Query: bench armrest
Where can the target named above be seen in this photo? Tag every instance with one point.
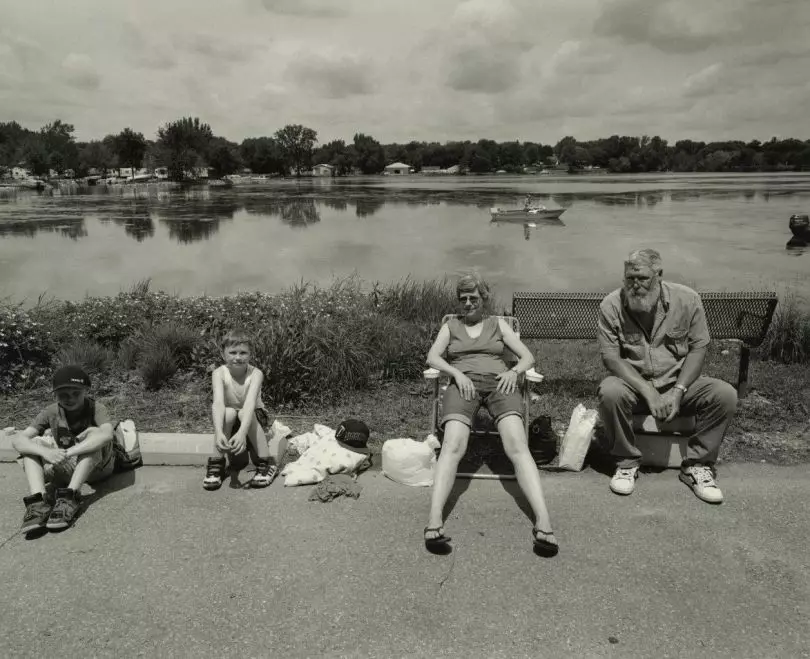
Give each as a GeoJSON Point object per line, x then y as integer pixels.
{"type": "Point", "coordinates": [533, 376]}
{"type": "Point", "coordinates": [431, 373]}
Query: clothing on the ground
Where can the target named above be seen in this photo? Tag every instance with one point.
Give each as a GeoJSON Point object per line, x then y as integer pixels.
{"type": "Point", "coordinates": [322, 457]}
{"type": "Point", "coordinates": [680, 327]}
{"type": "Point", "coordinates": [66, 425]}
{"type": "Point", "coordinates": [482, 355]}
{"type": "Point", "coordinates": [499, 405]}
{"type": "Point", "coordinates": [712, 402]}
{"type": "Point", "coordinates": [235, 393]}
{"type": "Point", "coordinates": [334, 486]}
{"type": "Point", "coordinates": [60, 475]}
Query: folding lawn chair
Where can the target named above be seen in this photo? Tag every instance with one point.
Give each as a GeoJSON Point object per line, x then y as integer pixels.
{"type": "Point", "coordinates": [441, 380]}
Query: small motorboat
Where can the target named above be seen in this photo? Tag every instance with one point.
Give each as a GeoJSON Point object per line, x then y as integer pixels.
{"type": "Point", "coordinates": [800, 226]}
{"type": "Point", "coordinates": [531, 213]}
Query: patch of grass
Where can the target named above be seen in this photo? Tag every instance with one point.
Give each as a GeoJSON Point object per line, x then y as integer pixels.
{"type": "Point", "coordinates": [788, 338]}
{"type": "Point", "coordinates": [157, 365]}
{"type": "Point", "coordinates": [92, 357]}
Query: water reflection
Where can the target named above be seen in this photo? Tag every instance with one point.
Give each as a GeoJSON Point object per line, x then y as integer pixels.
{"type": "Point", "coordinates": [296, 212]}
{"type": "Point", "coordinates": [136, 220]}
{"type": "Point", "coordinates": [195, 214]}
{"type": "Point", "coordinates": [366, 207]}
{"type": "Point", "coordinates": [529, 225]}
{"type": "Point", "coordinates": [70, 227]}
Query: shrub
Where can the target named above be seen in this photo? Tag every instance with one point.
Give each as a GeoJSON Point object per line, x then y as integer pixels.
{"type": "Point", "coordinates": [788, 338]}
{"type": "Point", "coordinates": [178, 340]}
{"type": "Point", "coordinates": [92, 357]}
{"type": "Point", "coordinates": [157, 366]}
{"type": "Point", "coordinates": [25, 347]}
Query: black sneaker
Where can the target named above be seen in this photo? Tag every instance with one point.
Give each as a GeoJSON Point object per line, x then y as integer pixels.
{"type": "Point", "coordinates": [36, 513]}
{"type": "Point", "coordinates": [214, 473]}
{"type": "Point", "coordinates": [266, 471]}
{"type": "Point", "coordinates": [64, 510]}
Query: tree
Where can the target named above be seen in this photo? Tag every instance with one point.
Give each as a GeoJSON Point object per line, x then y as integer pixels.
{"type": "Point", "coordinates": [296, 142]}
{"type": "Point", "coordinates": [95, 155]}
{"type": "Point", "coordinates": [224, 157]}
{"type": "Point", "coordinates": [186, 143]}
{"type": "Point", "coordinates": [369, 154]}
{"type": "Point", "coordinates": [130, 147]}
{"type": "Point", "coordinates": [262, 155]}
{"type": "Point", "coordinates": [58, 143]}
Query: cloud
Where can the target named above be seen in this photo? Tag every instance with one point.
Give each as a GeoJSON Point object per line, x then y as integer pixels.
{"type": "Point", "coordinates": [490, 73]}
{"type": "Point", "coordinates": [312, 8]}
{"type": "Point", "coordinates": [80, 72]}
{"type": "Point", "coordinates": [331, 76]}
{"type": "Point", "coordinates": [706, 81]}
{"type": "Point", "coordinates": [145, 50]}
{"type": "Point", "coordinates": [217, 48]}
{"type": "Point", "coordinates": [28, 53]}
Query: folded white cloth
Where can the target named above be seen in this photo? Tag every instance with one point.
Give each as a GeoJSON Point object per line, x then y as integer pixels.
{"type": "Point", "coordinates": [322, 455]}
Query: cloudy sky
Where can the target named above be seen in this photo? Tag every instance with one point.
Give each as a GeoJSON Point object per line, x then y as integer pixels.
{"type": "Point", "coordinates": [412, 69]}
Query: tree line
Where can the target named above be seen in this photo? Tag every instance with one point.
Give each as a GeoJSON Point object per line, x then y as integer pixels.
{"type": "Point", "coordinates": [188, 144]}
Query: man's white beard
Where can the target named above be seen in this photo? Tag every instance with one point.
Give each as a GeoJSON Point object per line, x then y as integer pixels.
{"type": "Point", "coordinates": [642, 302]}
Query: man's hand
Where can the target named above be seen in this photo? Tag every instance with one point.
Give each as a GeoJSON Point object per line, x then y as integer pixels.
{"type": "Point", "coordinates": [664, 407]}
{"type": "Point", "coordinates": [673, 399]}
{"type": "Point", "coordinates": [506, 381]}
{"type": "Point", "coordinates": [54, 456]}
{"type": "Point", "coordinates": [238, 443]}
{"type": "Point", "coordinates": [465, 386]}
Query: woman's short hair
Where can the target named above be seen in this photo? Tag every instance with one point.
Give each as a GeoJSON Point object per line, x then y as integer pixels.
{"type": "Point", "coordinates": [469, 282]}
{"type": "Point", "coordinates": [235, 337]}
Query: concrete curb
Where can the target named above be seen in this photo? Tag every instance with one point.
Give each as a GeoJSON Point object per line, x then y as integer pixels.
{"type": "Point", "coordinates": [157, 448]}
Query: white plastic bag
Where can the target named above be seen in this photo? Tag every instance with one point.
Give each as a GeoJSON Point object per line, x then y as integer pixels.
{"type": "Point", "coordinates": [409, 462]}
{"type": "Point", "coordinates": [577, 438]}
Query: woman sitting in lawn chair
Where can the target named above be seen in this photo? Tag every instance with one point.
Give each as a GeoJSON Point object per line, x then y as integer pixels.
{"type": "Point", "coordinates": [474, 345]}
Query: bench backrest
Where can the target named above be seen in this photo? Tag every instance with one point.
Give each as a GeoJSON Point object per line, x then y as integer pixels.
{"type": "Point", "coordinates": [744, 316]}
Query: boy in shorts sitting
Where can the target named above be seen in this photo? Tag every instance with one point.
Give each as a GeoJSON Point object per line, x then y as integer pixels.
{"type": "Point", "coordinates": [79, 451]}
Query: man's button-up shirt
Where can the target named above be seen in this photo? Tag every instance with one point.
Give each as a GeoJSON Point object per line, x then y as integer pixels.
{"type": "Point", "coordinates": [680, 327]}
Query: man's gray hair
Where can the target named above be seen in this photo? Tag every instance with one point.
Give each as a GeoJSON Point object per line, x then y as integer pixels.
{"type": "Point", "coordinates": [646, 257]}
{"type": "Point", "coordinates": [470, 281]}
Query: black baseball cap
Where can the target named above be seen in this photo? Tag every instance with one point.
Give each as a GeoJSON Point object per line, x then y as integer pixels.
{"type": "Point", "coordinates": [70, 376]}
{"type": "Point", "coordinates": [353, 435]}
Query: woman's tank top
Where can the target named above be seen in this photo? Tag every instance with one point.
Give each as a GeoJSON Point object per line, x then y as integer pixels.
{"type": "Point", "coordinates": [482, 355]}
{"type": "Point", "coordinates": [235, 393]}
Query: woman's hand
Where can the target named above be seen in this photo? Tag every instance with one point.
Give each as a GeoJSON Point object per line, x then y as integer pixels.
{"type": "Point", "coordinates": [465, 386]}
{"type": "Point", "coordinates": [507, 381]}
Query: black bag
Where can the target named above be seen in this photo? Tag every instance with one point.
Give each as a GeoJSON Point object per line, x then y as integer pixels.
{"type": "Point", "coordinates": [542, 440]}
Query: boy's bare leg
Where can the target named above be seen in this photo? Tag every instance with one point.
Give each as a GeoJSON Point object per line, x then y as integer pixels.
{"type": "Point", "coordinates": [84, 467]}
{"type": "Point", "coordinates": [227, 430]}
{"type": "Point", "coordinates": [34, 474]}
{"type": "Point", "coordinates": [255, 435]}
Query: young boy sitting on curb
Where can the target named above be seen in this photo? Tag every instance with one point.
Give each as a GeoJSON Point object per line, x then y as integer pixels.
{"type": "Point", "coordinates": [236, 410]}
{"type": "Point", "coordinates": [79, 451]}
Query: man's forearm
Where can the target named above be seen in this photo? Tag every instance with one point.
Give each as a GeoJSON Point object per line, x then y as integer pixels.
{"type": "Point", "coordinates": [622, 370]}
{"type": "Point", "coordinates": [692, 367]}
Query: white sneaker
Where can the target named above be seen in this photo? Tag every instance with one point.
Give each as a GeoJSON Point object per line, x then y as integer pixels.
{"type": "Point", "coordinates": [701, 479]}
{"type": "Point", "coordinates": [624, 480]}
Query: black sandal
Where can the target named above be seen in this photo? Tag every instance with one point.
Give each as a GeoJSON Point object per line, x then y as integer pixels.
{"type": "Point", "coordinates": [441, 541]}
{"type": "Point", "coordinates": [544, 546]}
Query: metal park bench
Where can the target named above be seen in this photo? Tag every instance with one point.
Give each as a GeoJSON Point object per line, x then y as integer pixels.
{"type": "Point", "coordinates": [744, 317]}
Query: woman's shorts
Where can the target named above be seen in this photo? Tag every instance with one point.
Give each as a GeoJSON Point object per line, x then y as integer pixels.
{"type": "Point", "coordinates": [499, 405]}
{"type": "Point", "coordinates": [60, 475]}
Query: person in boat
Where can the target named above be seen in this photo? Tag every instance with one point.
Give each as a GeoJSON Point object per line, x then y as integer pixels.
{"type": "Point", "coordinates": [653, 337]}
{"type": "Point", "coordinates": [470, 349]}
{"type": "Point", "coordinates": [527, 203]}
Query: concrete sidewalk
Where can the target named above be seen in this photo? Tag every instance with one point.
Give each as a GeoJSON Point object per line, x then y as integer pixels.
{"type": "Point", "coordinates": [157, 567]}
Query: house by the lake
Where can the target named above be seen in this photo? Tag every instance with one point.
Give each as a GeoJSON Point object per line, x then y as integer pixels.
{"type": "Point", "coordinates": [398, 169]}
{"type": "Point", "coordinates": [323, 170]}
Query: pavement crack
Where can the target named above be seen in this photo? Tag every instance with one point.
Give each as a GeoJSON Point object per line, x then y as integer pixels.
{"type": "Point", "coordinates": [9, 539]}
{"type": "Point", "coordinates": [444, 579]}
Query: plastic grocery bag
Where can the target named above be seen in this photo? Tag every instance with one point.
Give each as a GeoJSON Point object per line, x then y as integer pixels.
{"type": "Point", "coordinates": [577, 438]}
{"type": "Point", "coordinates": [409, 462]}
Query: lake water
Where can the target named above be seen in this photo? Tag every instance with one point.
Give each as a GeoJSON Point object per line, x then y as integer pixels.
{"type": "Point", "coordinates": [715, 232]}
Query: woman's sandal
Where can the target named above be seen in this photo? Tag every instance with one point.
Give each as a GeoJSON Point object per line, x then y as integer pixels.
{"type": "Point", "coordinates": [542, 545]}
{"type": "Point", "coordinates": [440, 541]}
